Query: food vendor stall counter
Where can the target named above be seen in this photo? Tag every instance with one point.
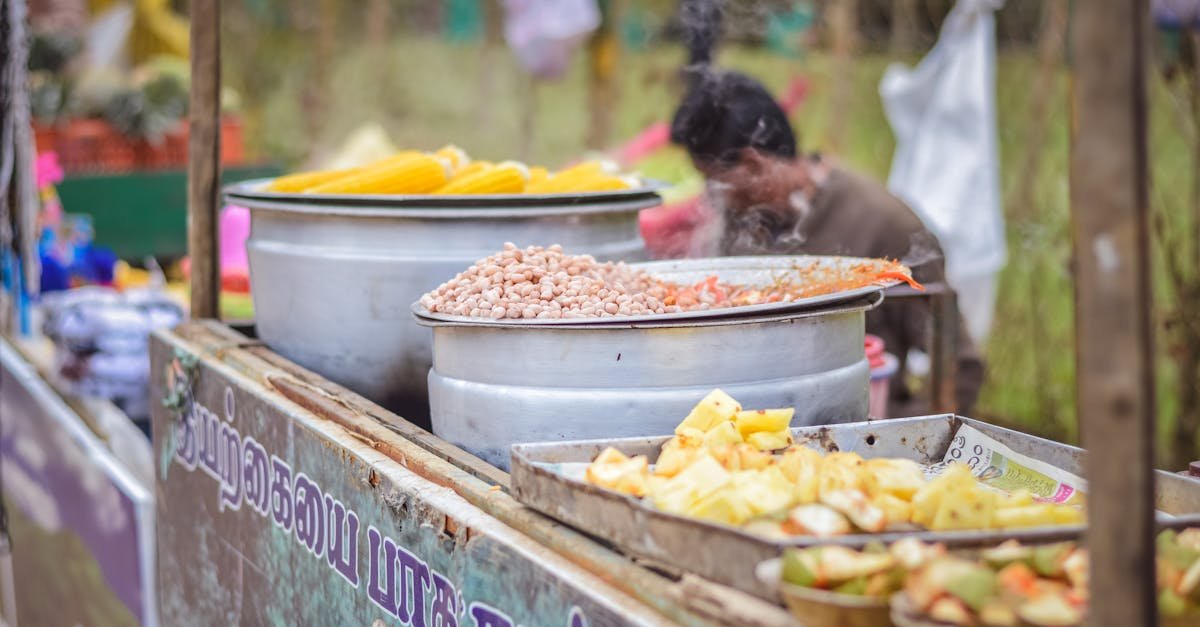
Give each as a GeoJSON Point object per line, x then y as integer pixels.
{"type": "Point", "coordinates": [282, 497]}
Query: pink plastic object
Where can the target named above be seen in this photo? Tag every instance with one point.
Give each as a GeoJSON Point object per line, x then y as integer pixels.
{"type": "Point", "coordinates": [235, 229]}
{"type": "Point", "coordinates": [667, 230]}
{"type": "Point", "coordinates": [883, 366]}
{"type": "Point", "coordinates": [47, 170]}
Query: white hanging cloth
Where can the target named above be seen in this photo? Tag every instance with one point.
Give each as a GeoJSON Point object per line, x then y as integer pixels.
{"type": "Point", "coordinates": [947, 161]}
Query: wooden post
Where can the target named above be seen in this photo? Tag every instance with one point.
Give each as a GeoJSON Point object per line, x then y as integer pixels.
{"type": "Point", "coordinates": [943, 352]}
{"type": "Point", "coordinates": [204, 154]}
{"type": "Point", "coordinates": [1114, 348]}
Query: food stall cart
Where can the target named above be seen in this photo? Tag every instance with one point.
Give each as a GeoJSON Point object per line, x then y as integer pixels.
{"type": "Point", "coordinates": [282, 497]}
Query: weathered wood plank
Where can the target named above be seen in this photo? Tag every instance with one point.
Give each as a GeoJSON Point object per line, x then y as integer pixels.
{"type": "Point", "coordinates": [1115, 376]}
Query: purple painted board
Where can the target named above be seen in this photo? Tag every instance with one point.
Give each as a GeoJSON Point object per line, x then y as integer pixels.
{"type": "Point", "coordinates": [80, 522]}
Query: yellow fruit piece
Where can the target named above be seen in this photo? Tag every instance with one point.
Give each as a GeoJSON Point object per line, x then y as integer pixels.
{"type": "Point", "coordinates": [672, 461]}
{"type": "Point", "coordinates": [1037, 515]}
{"type": "Point", "coordinates": [816, 520]}
{"type": "Point", "coordinates": [714, 408]}
{"type": "Point", "coordinates": [895, 509]}
{"type": "Point", "coordinates": [725, 505]}
{"type": "Point", "coordinates": [766, 491]}
{"type": "Point", "coordinates": [722, 434]}
{"type": "Point", "coordinates": [956, 479]}
{"type": "Point", "coordinates": [1069, 515]}
{"type": "Point", "coordinates": [699, 479]}
{"type": "Point", "coordinates": [456, 156]}
{"type": "Point", "coordinates": [417, 175]}
{"type": "Point", "coordinates": [1019, 498]}
{"type": "Point", "coordinates": [610, 455]}
{"type": "Point", "coordinates": [802, 466]}
{"type": "Point", "coordinates": [898, 477]}
{"type": "Point", "coordinates": [965, 509]}
{"type": "Point", "coordinates": [855, 505]}
{"type": "Point", "coordinates": [842, 471]}
{"type": "Point", "coordinates": [613, 471]}
{"type": "Point", "coordinates": [302, 181]}
{"type": "Point", "coordinates": [756, 420]}
{"type": "Point", "coordinates": [749, 457]}
{"type": "Point", "coordinates": [504, 178]}
{"type": "Point", "coordinates": [770, 441]}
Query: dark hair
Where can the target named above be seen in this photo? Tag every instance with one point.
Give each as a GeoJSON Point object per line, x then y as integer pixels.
{"type": "Point", "coordinates": [724, 112]}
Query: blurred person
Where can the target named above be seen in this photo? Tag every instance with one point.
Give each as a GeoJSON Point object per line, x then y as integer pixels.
{"type": "Point", "coordinates": [768, 198]}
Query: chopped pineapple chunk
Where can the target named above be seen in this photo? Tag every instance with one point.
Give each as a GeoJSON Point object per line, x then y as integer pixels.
{"type": "Point", "coordinates": [756, 420]}
{"type": "Point", "coordinates": [715, 408]}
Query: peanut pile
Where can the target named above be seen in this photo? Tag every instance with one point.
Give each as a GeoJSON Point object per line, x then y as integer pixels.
{"type": "Point", "coordinates": [538, 282]}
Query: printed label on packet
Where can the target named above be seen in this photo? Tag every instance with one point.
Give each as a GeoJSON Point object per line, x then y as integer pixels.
{"type": "Point", "coordinates": [1003, 469]}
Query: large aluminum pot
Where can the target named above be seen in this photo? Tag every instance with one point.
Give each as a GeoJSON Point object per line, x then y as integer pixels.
{"type": "Point", "coordinates": [493, 384]}
{"type": "Point", "coordinates": [333, 278]}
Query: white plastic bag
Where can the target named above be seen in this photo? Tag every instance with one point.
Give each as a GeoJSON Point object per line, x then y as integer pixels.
{"type": "Point", "coordinates": [545, 33]}
{"type": "Point", "coordinates": [947, 161]}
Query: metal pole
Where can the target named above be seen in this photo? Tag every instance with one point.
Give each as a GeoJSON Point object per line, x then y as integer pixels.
{"type": "Point", "coordinates": [1114, 340]}
{"type": "Point", "coordinates": [204, 153]}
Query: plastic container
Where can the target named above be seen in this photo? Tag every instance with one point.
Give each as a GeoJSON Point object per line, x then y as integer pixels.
{"type": "Point", "coordinates": [883, 367]}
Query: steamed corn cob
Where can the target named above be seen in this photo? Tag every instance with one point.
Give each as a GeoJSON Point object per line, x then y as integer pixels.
{"type": "Point", "coordinates": [505, 178]}
{"type": "Point", "coordinates": [415, 175]}
{"type": "Point", "coordinates": [537, 175]}
{"type": "Point", "coordinates": [472, 168]}
{"type": "Point", "coordinates": [455, 155]}
{"type": "Point", "coordinates": [303, 180]}
{"type": "Point", "coordinates": [589, 176]}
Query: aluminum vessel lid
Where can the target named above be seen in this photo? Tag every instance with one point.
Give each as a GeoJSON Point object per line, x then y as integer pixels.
{"type": "Point", "coordinates": [752, 271]}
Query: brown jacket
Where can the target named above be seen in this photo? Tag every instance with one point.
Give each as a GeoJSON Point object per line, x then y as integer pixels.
{"type": "Point", "coordinates": [854, 215]}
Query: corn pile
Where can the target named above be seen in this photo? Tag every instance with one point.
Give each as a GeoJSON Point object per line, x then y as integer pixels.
{"type": "Point", "coordinates": [450, 171]}
{"type": "Point", "coordinates": [740, 468]}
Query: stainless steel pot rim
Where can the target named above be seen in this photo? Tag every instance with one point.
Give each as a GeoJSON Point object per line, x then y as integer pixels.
{"type": "Point", "coordinates": [767, 266]}
{"type": "Point", "coordinates": [252, 190]}
{"type": "Point", "coordinates": [860, 303]}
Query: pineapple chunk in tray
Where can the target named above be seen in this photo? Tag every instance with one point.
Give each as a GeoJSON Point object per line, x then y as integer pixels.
{"type": "Point", "coordinates": [741, 468]}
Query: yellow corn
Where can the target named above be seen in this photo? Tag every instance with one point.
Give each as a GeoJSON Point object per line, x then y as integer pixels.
{"type": "Point", "coordinates": [415, 175]}
{"type": "Point", "coordinates": [569, 179]}
{"type": "Point", "coordinates": [403, 155]}
{"type": "Point", "coordinates": [304, 180]}
{"type": "Point", "coordinates": [471, 168]}
{"type": "Point", "coordinates": [591, 180]}
{"type": "Point", "coordinates": [505, 178]}
{"type": "Point", "coordinates": [537, 175]}
{"type": "Point", "coordinates": [455, 155]}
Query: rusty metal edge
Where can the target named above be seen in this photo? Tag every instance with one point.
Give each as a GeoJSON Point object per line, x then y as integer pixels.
{"type": "Point", "coordinates": [365, 421]}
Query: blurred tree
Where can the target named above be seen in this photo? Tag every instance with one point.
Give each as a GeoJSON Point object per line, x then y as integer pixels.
{"type": "Point", "coordinates": [1178, 234]}
{"type": "Point", "coordinates": [904, 25]}
{"type": "Point", "coordinates": [604, 50]}
{"type": "Point", "coordinates": [842, 16]}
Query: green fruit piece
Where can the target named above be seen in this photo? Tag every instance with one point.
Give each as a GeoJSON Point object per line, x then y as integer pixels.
{"type": "Point", "coordinates": [856, 586]}
{"type": "Point", "coordinates": [1048, 560]}
{"type": "Point", "coordinates": [1180, 556]}
{"type": "Point", "coordinates": [974, 588]}
{"type": "Point", "coordinates": [800, 567]}
{"type": "Point", "coordinates": [1171, 604]}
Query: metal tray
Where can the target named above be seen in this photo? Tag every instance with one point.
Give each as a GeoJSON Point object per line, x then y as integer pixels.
{"type": "Point", "coordinates": [255, 189]}
{"type": "Point", "coordinates": [756, 271]}
{"type": "Point", "coordinates": [728, 555]}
